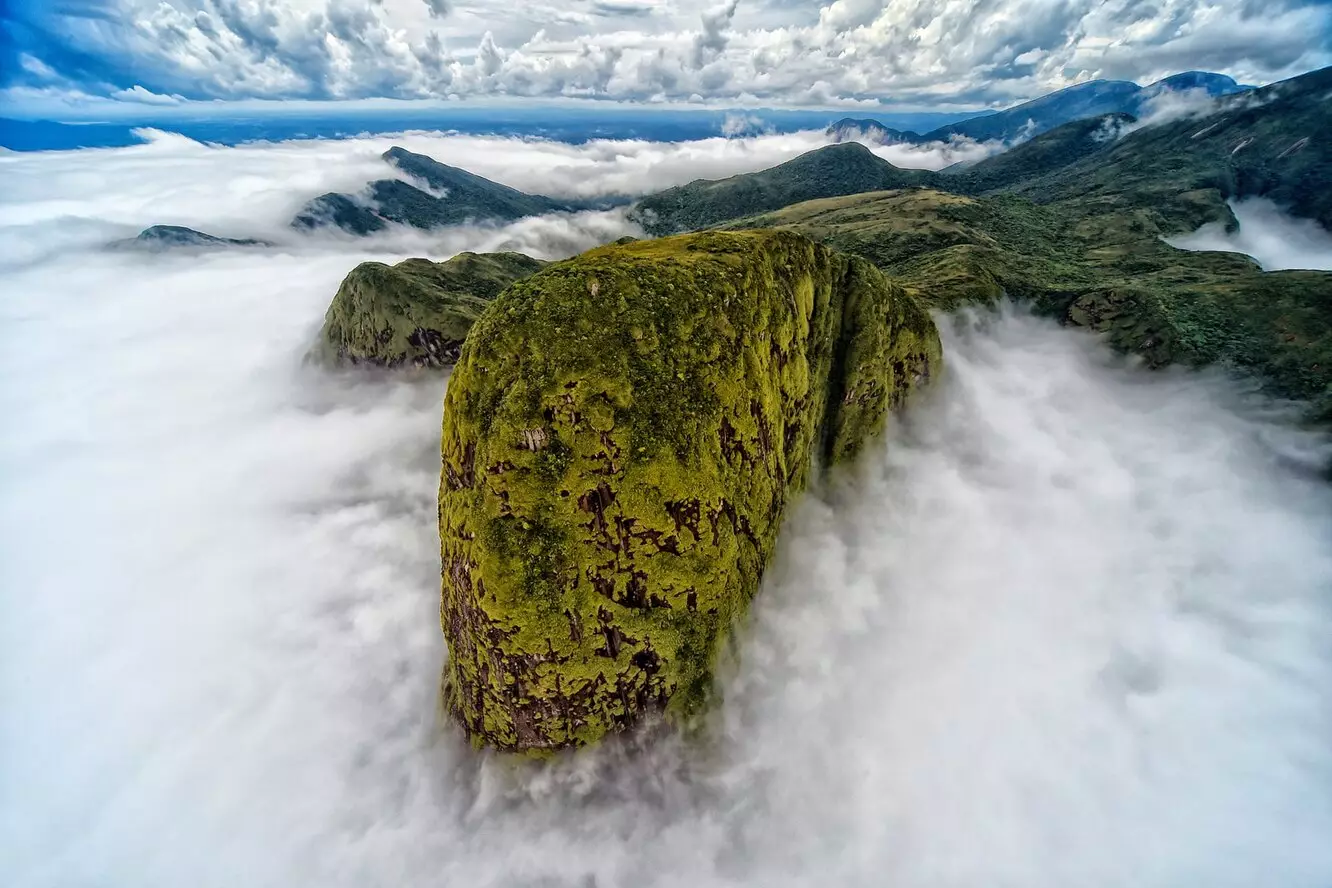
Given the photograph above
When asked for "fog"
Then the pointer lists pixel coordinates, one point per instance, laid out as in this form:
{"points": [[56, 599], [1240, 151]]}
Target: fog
{"points": [[1274, 238], [62, 200], [1069, 625]]}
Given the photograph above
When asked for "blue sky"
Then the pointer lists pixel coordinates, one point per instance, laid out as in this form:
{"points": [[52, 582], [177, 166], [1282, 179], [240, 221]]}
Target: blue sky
{"points": [[88, 53]]}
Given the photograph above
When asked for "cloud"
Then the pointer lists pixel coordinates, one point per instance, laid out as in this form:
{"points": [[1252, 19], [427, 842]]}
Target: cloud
{"points": [[992, 52], [145, 97], [1275, 239], [711, 41], [738, 124], [1088, 598], [439, 8], [254, 190]]}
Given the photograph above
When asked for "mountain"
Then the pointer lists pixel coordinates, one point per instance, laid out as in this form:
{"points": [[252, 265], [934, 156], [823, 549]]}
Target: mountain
{"points": [[851, 129], [1091, 99], [1039, 115], [624, 430], [1107, 270], [1265, 143], [416, 313], [469, 195], [1073, 222], [623, 435], [455, 197], [1040, 156], [1214, 85], [1082, 158], [846, 168], [166, 237]]}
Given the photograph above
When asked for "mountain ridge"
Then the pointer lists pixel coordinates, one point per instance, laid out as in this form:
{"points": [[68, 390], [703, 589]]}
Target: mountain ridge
{"points": [[1043, 113]]}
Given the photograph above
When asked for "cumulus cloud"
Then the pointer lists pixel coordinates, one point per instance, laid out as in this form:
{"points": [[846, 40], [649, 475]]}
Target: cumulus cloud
{"points": [[1090, 599], [1275, 239], [847, 50], [711, 41]]}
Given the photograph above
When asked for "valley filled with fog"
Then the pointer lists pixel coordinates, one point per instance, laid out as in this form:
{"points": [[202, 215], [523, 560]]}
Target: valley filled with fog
{"points": [[1071, 625]]}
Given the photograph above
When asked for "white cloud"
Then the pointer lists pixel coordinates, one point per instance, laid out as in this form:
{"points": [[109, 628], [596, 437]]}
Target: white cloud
{"points": [[145, 97], [1068, 627], [917, 50], [1275, 239], [253, 190]]}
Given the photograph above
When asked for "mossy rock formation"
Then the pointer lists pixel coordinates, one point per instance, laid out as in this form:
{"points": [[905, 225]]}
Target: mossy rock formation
{"points": [[417, 312], [622, 435]]}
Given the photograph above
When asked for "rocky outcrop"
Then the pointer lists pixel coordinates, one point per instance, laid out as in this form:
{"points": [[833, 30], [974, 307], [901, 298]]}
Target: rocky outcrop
{"points": [[622, 436], [415, 313]]}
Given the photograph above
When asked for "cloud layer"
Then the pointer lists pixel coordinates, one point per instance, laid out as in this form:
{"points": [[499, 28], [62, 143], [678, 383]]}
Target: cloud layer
{"points": [[77, 199], [1069, 626], [974, 51], [1274, 238]]}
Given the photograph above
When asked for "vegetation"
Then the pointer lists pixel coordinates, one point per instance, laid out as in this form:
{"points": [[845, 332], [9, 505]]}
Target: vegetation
{"points": [[1267, 143], [415, 313], [622, 435], [1091, 99], [1110, 272], [1073, 221], [849, 168], [456, 196]]}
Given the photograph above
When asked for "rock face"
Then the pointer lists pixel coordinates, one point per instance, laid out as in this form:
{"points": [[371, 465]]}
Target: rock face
{"points": [[622, 435], [417, 312]]}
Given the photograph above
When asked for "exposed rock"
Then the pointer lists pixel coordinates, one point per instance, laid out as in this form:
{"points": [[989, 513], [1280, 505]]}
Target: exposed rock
{"points": [[622, 436], [417, 312]]}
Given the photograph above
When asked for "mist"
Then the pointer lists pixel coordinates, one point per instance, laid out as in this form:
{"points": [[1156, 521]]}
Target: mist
{"points": [[71, 199], [1275, 239], [1069, 625]]}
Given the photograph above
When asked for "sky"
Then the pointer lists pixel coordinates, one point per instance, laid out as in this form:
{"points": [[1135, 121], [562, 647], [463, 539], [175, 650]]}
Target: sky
{"points": [[871, 53]]}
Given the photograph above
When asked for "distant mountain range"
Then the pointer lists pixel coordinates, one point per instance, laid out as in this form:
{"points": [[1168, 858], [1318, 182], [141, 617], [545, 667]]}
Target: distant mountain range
{"points": [[455, 196], [436, 195], [1040, 115], [1263, 142]]}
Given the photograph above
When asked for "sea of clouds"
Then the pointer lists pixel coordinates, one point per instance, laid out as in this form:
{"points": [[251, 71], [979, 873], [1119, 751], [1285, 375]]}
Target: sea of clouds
{"points": [[1070, 625], [1274, 238]]}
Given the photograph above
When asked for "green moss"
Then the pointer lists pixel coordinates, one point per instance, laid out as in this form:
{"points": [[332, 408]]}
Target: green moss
{"points": [[622, 435], [1091, 265], [417, 312]]}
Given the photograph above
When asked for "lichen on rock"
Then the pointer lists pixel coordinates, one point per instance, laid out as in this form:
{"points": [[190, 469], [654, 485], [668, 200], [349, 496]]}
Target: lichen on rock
{"points": [[416, 313], [622, 435]]}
